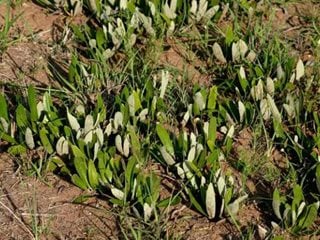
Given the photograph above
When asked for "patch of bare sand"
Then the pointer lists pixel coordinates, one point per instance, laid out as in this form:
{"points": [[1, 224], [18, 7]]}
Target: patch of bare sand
{"points": [[31, 19], [295, 22], [185, 62], [27, 204], [25, 63], [32, 39]]}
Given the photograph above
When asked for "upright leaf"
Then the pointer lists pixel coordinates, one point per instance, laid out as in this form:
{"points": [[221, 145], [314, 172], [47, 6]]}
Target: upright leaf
{"points": [[218, 53], [212, 134], [3, 108], [164, 82], [211, 201], [88, 124], [276, 202], [129, 173], [274, 110], [21, 117], [242, 110], [81, 168], [77, 152], [212, 98], [93, 175], [32, 101], [309, 216], [78, 182], [165, 138], [135, 143], [297, 196], [73, 121], [299, 70], [45, 140], [29, 139], [195, 203]]}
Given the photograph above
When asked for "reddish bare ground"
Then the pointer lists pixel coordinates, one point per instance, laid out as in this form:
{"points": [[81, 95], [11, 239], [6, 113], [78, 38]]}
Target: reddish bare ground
{"points": [[294, 21], [185, 63], [24, 61], [35, 36], [27, 204]]}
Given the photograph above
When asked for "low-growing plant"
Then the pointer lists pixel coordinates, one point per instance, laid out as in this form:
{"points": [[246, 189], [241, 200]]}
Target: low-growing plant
{"points": [[33, 126], [295, 214], [195, 158]]}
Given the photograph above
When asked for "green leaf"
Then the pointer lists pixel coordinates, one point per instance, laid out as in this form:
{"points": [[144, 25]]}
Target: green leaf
{"points": [[212, 159], [117, 202], [129, 173], [278, 129], [81, 168], [53, 129], [78, 182], [195, 203], [47, 102], [21, 117], [170, 201], [212, 99], [45, 140], [212, 134], [6, 137], [17, 150], [309, 216], [165, 138], [244, 83], [229, 35], [135, 143], [81, 199], [67, 131], [32, 101], [102, 166], [77, 152], [153, 182], [100, 38], [201, 162], [276, 202], [228, 195], [93, 175], [3, 108], [54, 163], [194, 168], [297, 196]]}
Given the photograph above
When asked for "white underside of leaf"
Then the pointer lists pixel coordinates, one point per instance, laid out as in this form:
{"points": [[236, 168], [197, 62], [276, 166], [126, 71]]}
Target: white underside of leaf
{"points": [[299, 70], [211, 201]]}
